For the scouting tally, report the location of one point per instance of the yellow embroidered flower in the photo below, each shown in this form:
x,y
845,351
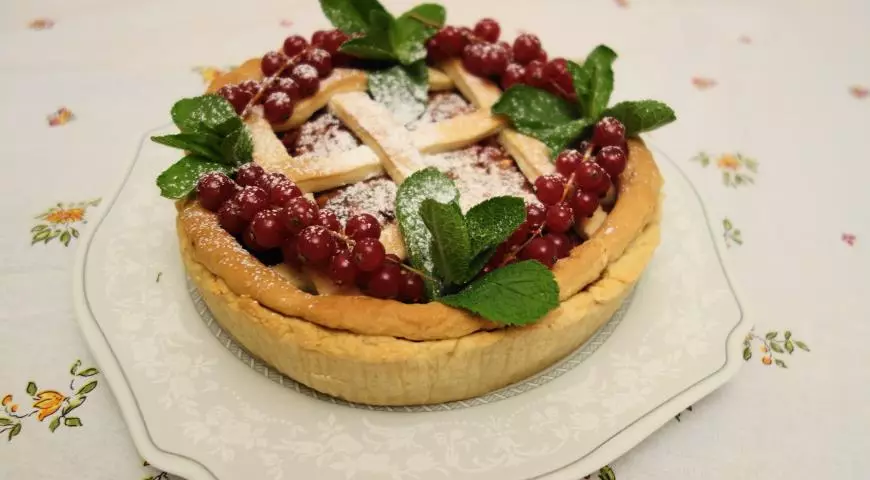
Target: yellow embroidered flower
x,y
7,402
208,74
66,215
48,402
728,162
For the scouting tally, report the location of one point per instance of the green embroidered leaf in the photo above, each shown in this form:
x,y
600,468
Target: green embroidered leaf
x,y
516,294
31,388
75,367
533,108
409,34
72,422
402,89
424,184
599,66
351,16
73,404
803,346
771,335
202,144
490,223
5,421
780,363
89,372
55,422
376,45
87,388
775,347
789,346
203,114
451,248
14,432
558,137
641,116
180,179
787,334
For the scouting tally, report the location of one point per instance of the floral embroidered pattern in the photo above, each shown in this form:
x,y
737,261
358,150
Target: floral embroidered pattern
x,y
47,403
849,239
157,476
208,73
59,117
859,91
605,473
40,24
731,234
737,169
703,83
688,409
771,345
59,222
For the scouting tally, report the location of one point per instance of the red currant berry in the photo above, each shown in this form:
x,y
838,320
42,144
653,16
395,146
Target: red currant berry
x,y
249,241
282,192
384,283
526,48
249,174
542,57
316,245
286,85
251,87
451,41
278,107
487,29
513,74
568,161
472,59
230,219
586,147
608,131
466,34
535,74
272,62
560,217
584,205
549,189
328,220
237,97
435,52
368,254
508,50
213,189
540,249
318,38
362,226
307,78
559,81
536,215
495,60
266,228
318,58
251,200
411,288
298,214
341,269
592,178
294,45
269,180
612,159
290,252
520,235
561,242
333,41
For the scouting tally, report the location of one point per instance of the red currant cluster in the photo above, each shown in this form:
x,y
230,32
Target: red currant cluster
x,y
268,211
291,75
568,196
483,55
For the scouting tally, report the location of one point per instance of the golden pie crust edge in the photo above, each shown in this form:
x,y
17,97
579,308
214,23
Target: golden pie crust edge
x,y
384,370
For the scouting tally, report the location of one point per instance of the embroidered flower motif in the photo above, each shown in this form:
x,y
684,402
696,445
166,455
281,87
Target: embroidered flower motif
x,y
7,404
703,83
737,169
731,235
40,24
61,116
208,74
59,222
771,345
859,91
849,239
48,402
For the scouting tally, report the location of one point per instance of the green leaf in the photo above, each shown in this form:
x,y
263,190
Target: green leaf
x,y
5,422
203,144
376,45
787,334
727,224
747,353
203,114
516,294
641,116
606,473
403,90
87,388
409,34
599,66
237,147
489,223
55,422
38,228
776,348
73,404
803,346
424,184
451,249
533,108
14,432
780,363
74,231
557,138
31,388
351,16
789,346
89,372
771,335
180,179
580,77
72,422
65,238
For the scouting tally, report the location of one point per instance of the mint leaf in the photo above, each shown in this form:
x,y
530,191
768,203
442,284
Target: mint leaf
x,y
351,16
403,90
203,114
516,294
424,184
202,144
451,249
641,116
580,77
533,108
376,45
599,65
489,223
180,179
558,137
237,147
409,33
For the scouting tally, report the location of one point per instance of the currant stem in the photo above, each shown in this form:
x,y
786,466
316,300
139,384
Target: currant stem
x,y
267,82
412,270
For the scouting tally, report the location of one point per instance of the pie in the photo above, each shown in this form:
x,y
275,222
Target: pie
x,y
304,257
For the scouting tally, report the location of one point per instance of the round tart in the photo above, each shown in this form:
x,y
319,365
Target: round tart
x,y
396,230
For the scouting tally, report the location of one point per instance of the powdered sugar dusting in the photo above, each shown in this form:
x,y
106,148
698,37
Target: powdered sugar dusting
x,y
321,137
376,196
442,106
